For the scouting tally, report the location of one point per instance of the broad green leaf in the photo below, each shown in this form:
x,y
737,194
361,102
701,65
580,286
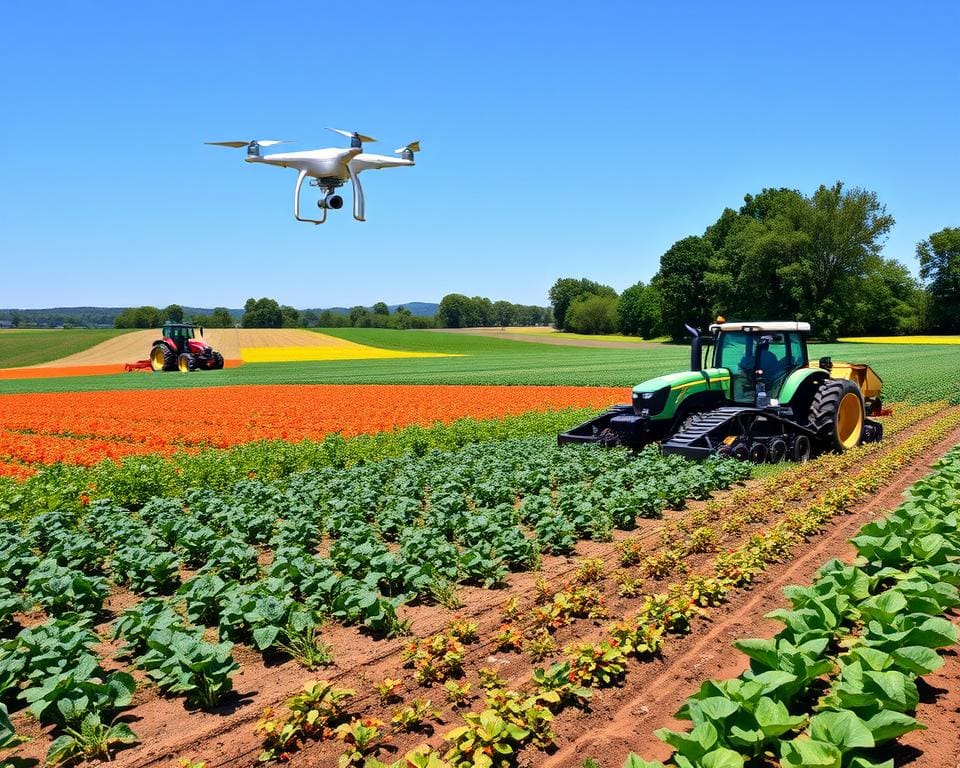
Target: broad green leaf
x,y
717,709
887,724
774,719
760,650
807,753
722,758
843,728
917,659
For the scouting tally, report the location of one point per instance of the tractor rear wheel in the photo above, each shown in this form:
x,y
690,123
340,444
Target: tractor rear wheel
x,y
162,359
186,363
837,416
217,362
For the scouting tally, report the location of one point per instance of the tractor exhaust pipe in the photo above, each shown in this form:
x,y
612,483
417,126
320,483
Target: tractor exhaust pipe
x,y
696,349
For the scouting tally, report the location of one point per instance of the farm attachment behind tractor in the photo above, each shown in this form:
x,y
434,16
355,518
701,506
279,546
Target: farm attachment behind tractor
x,y
751,393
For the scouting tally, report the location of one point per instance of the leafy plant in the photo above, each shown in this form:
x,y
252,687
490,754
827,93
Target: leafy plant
x,y
91,740
63,590
486,741
312,713
182,662
363,738
413,717
148,572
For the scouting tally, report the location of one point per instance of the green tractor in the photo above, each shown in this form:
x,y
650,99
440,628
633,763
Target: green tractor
x,y
751,393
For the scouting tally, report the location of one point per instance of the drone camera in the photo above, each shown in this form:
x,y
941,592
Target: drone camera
x,y
333,202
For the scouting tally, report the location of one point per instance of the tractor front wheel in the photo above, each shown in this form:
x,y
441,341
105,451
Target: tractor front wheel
x,y
162,359
217,362
186,363
837,416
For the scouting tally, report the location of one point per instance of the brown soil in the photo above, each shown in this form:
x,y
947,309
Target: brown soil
x,y
559,339
625,719
620,720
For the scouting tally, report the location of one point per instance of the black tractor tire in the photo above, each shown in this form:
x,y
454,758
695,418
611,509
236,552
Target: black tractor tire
x,y
217,362
186,363
778,450
800,448
837,415
162,358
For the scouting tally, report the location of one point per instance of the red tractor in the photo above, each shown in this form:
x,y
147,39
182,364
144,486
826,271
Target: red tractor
x,y
178,350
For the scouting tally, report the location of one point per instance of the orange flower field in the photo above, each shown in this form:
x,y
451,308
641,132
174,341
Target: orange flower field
x,y
86,427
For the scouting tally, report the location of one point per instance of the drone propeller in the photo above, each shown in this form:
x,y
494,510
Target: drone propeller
x,y
241,144
413,146
356,139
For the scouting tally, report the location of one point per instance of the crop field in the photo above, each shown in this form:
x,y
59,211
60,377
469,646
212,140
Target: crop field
x,y
390,562
31,347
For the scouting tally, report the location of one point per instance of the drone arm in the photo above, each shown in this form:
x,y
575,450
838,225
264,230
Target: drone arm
x,y
357,194
296,202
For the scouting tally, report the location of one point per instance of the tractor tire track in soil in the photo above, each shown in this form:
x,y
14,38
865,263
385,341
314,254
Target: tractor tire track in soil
x,y
621,719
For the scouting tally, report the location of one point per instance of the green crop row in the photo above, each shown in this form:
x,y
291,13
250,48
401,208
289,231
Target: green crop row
x,y
399,530
839,680
134,480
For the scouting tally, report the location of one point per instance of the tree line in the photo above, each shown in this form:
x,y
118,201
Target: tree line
x,y
785,256
459,311
269,313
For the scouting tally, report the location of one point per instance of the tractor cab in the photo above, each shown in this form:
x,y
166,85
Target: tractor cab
x,y
759,357
180,334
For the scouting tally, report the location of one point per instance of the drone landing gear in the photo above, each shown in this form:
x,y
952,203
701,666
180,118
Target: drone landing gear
x,y
330,200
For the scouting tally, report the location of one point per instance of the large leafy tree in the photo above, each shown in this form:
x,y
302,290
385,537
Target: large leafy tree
x,y
681,286
939,257
566,289
262,313
589,313
639,310
787,256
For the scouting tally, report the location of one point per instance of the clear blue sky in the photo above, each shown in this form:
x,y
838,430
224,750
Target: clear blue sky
x,y
559,139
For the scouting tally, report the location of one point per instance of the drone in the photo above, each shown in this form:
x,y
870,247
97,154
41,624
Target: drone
x,y
329,168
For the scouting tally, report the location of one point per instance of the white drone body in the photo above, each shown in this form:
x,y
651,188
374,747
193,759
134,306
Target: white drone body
x,y
328,168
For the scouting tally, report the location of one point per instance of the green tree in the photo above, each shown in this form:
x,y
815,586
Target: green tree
x,y
262,313
681,285
329,319
454,311
139,317
939,257
173,312
380,308
221,318
309,318
787,256
589,313
639,310
291,317
402,318
887,300
360,317
503,313
566,289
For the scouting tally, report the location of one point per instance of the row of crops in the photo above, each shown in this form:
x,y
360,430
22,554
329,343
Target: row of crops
x,y
266,564
839,682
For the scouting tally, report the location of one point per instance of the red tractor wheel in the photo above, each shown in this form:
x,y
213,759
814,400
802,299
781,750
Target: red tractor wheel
x,y
162,358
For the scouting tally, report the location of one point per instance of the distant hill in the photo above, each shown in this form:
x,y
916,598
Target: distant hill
x,y
103,317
